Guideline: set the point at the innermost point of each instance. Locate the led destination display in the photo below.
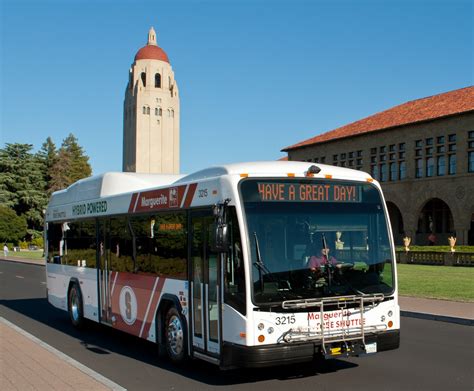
(308, 192)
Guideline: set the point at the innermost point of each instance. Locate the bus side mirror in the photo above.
(222, 228)
(222, 238)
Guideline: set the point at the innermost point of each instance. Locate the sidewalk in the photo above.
(442, 310)
(27, 363)
(432, 309)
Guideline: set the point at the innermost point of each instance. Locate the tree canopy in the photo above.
(12, 227)
(22, 183)
(27, 179)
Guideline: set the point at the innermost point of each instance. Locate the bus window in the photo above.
(168, 245)
(54, 237)
(140, 232)
(120, 245)
(79, 243)
(234, 274)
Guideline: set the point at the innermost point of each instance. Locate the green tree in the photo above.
(22, 184)
(12, 227)
(80, 167)
(71, 164)
(48, 155)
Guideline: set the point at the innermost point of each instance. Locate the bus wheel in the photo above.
(75, 306)
(175, 337)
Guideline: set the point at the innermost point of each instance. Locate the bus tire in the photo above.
(175, 336)
(75, 306)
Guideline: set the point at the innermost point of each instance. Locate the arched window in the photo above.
(169, 113)
(144, 79)
(172, 113)
(157, 80)
(144, 110)
(148, 110)
(160, 112)
(156, 111)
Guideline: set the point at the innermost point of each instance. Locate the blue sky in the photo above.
(254, 76)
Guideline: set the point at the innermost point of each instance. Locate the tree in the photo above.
(22, 184)
(12, 227)
(80, 167)
(48, 155)
(60, 173)
(71, 164)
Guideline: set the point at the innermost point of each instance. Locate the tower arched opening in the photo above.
(157, 80)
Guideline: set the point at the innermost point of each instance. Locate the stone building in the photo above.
(151, 113)
(422, 152)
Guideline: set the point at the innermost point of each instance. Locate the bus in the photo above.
(241, 265)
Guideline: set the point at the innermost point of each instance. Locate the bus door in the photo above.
(104, 275)
(205, 285)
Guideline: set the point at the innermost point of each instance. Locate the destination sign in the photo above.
(308, 192)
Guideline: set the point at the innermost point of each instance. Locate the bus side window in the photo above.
(234, 274)
(119, 245)
(54, 235)
(79, 247)
(169, 244)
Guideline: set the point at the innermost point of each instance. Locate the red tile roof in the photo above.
(424, 109)
(151, 52)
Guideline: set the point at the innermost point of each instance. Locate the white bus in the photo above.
(242, 265)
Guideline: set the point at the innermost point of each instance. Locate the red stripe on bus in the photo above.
(132, 202)
(154, 306)
(190, 195)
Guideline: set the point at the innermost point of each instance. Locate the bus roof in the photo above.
(115, 183)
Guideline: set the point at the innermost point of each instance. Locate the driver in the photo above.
(321, 258)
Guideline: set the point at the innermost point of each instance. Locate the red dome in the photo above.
(151, 52)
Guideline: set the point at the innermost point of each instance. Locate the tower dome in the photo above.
(151, 51)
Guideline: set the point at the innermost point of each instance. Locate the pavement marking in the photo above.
(19, 277)
(97, 376)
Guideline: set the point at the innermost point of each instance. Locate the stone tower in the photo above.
(151, 113)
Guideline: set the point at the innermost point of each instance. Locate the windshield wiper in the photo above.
(259, 263)
(329, 266)
(262, 267)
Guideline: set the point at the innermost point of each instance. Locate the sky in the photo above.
(254, 76)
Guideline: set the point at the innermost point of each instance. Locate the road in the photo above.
(433, 355)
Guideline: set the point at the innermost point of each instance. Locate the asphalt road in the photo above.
(433, 355)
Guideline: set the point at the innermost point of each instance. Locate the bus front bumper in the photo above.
(234, 355)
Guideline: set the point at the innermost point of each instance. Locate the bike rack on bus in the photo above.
(327, 336)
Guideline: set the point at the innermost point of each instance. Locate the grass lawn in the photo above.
(436, 282)
(27, 254)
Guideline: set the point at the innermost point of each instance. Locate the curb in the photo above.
(23, 260)
(439, 318)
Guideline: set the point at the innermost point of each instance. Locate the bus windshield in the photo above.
(314, 238)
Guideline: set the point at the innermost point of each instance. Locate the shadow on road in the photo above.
(103, 340)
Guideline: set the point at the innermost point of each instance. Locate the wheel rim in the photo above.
(74, 305)
(175, 335)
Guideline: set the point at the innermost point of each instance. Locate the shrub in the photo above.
(23, 244)
(38, 242)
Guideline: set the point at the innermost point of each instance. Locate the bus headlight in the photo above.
(270, 330)
(261, 326)
(390, 313)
